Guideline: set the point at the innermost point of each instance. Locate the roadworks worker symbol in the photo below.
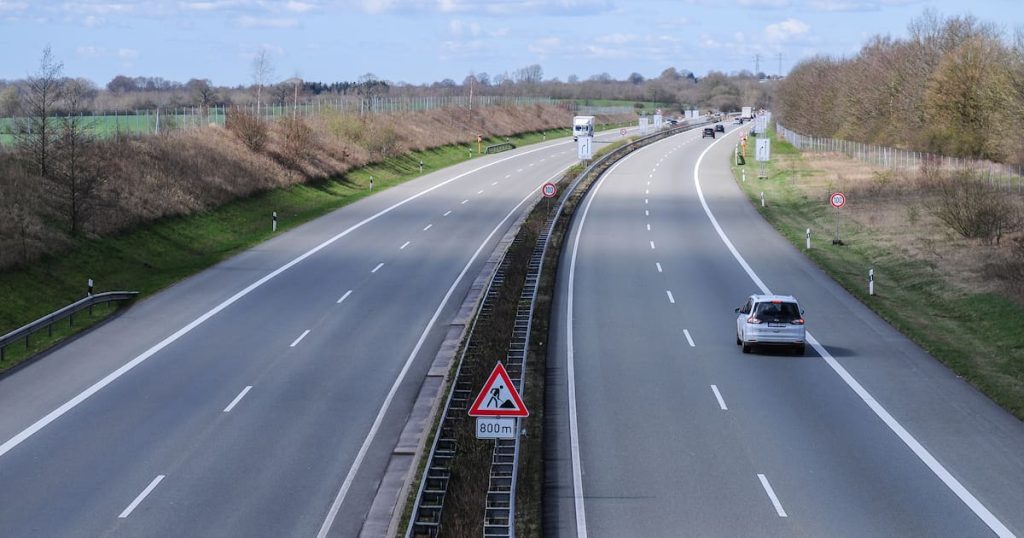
(499, 397)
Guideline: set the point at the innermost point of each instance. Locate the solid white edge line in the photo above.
(128, 366)
(916, 447)
(138, 500)
(343, 297)
(689, 339)
(332, 513)
(718, 396)
(574, 434)
(404, 245)
(771, 495)
(299, 339)
(237, 399)
(671, 299)
(375, 269)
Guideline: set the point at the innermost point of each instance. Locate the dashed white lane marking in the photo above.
(404, 245)
(718, 396)
(149, 489)
(771, 495)
(671, 299)
(427, 227)
(343, 297)
(689, 339)
(912, 443)
(648, 227)
(465, 201)
(480, 191)
(379, 265)
(652, 245)
(658, 265)
(647, 213)
(519, 170)
(237, 399)
(647, 200)
(647, 191)
(299, 339)
(449, 212)
(508, 176)
(493, 184)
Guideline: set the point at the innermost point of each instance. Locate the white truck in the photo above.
(748, 113)
(582, 126)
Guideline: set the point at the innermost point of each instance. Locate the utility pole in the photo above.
(757, 64)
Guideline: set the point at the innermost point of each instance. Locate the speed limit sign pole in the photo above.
(837, 200)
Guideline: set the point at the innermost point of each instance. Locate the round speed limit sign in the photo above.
(838, 200)
(549, 190)
(622, 131)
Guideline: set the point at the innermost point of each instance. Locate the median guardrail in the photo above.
(499, 516)
(69, 311)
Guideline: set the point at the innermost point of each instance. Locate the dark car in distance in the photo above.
(719, 128)
(708, 131)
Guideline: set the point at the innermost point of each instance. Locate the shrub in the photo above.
(248, 128)
(974, 209)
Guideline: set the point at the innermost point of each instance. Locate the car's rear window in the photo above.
(778, 312)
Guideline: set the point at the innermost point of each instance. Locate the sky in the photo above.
(422, 41)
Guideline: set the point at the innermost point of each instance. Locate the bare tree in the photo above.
(204, 95)
(76, 170)
(35, 130)
(262, 73)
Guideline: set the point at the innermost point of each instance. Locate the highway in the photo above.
(250, 399)
(658, 425)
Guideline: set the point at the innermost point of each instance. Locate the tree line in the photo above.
(954, 86)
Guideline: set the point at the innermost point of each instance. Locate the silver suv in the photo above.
(770, 320)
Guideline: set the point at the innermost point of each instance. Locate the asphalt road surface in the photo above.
(246, 400)
(660, 426)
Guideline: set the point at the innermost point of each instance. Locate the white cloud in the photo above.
(490, 7)
(127, 54)
(855, 5)
(616, 39)
(266, 22)
(93, 21)
(299, 7)
(545, 46)
(12, 7)
(98, 8)
(89, 51)
(768, 4)
(458, 28)
(787, 30)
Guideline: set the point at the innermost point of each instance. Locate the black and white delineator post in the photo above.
(871, 281)
(421, 167)
(89, 284)
(808, 236)
(371, 183)
(274, 225)
(762, 198)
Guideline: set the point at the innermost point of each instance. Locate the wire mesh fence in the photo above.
(164, 119)
(1003, 176)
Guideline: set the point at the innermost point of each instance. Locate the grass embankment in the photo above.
(938, 301)
(156, 255)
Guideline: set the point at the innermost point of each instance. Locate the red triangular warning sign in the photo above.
(499, 397)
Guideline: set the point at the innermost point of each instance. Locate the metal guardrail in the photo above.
(69, 311)
(499, 515)
(496, 148)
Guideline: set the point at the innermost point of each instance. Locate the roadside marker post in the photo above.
(273, 226)
(371, 183)
(808, 235)
(762, 198)
(871, 281)
(421, 167)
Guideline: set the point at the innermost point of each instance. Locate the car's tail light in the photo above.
(753, 321)
(799, 321)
